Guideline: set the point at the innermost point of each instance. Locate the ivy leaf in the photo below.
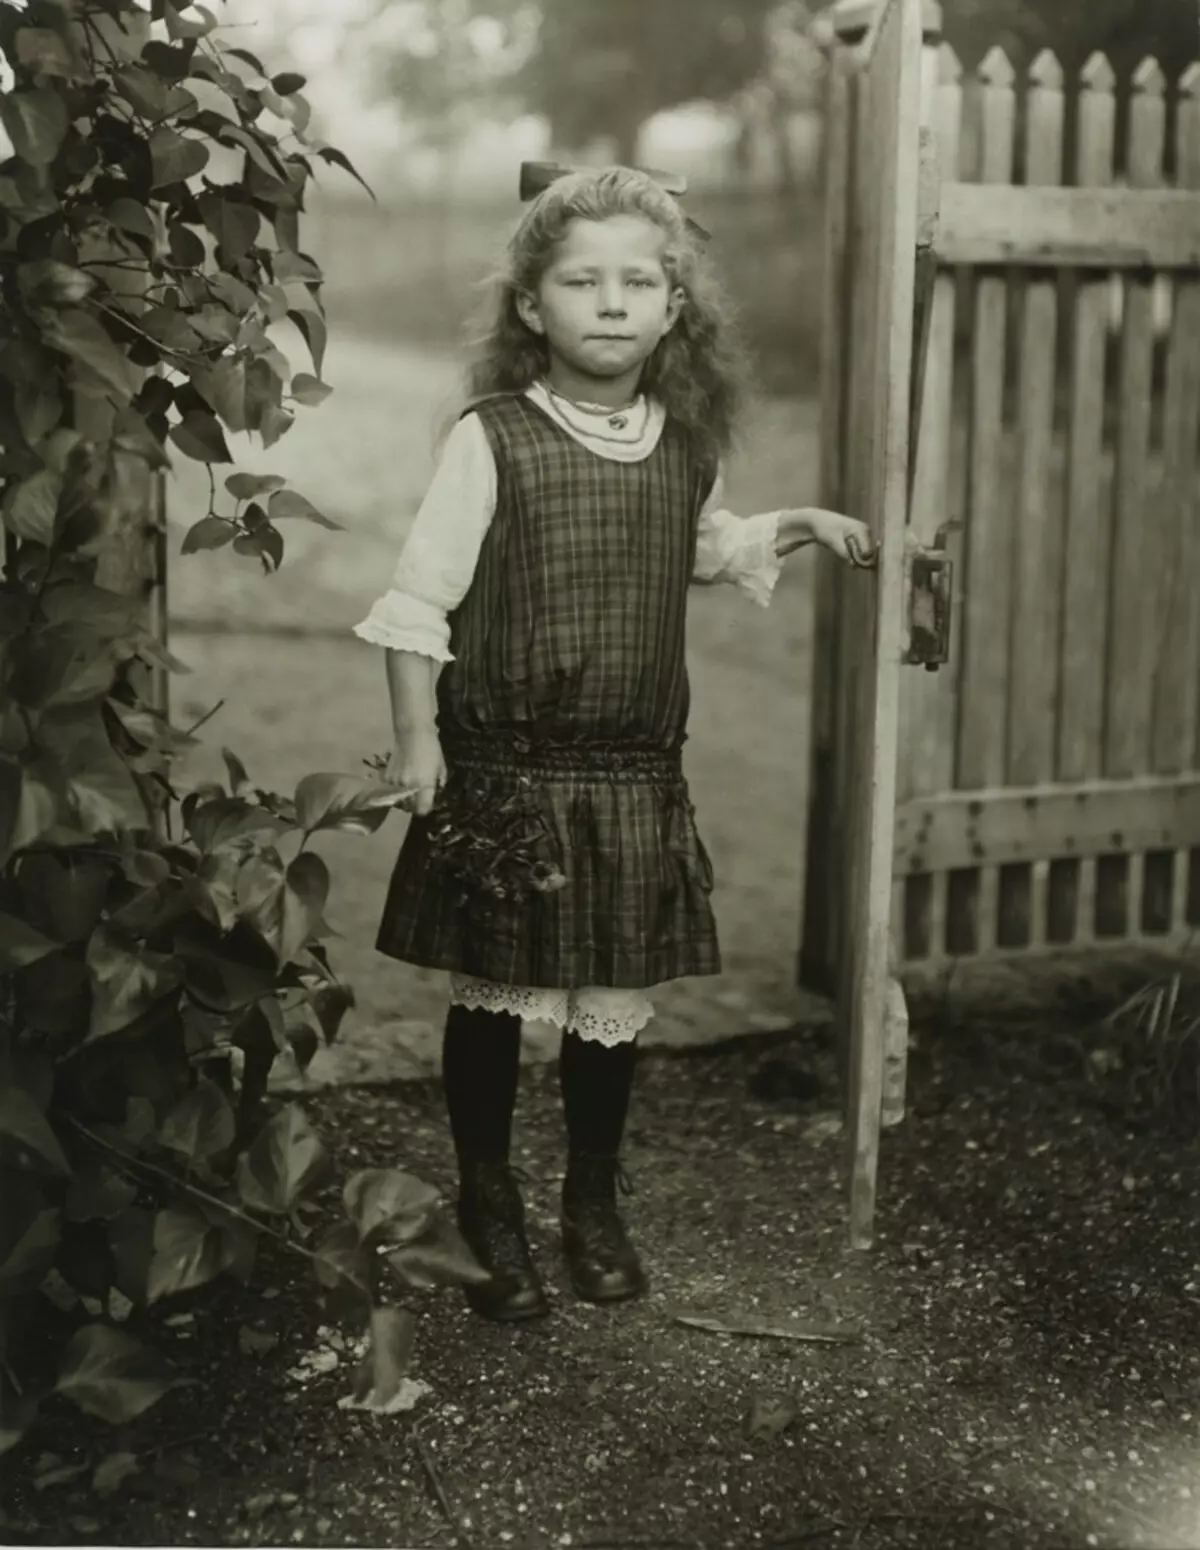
(150, 94)
(31, 507)
(178, 25)
(244, 487)
(21, 944)
(28, 1252)
(125, 981)
(344, 802)
(200, 1125)
(112, 1472)
(47, 283)
(99, 783)
(287, 504)
(275, 423)
(208, 533)
(287, 82)
(36, 123)
(289, 265)
(18, 1412)
(263, 540)
(233, 223)
(188, 1252)
(284, 1158)
(440, 1257)
(128, 215)
(223, 386)
(388, 1205)
(339, 1262)
(97, 1194)
(284, 906)
(312, 325)
(336, 158)
(237, 297)
(309, 390)
(77, 334)
(188, 251)
(24, 1125)
(200, 436)
(109, 1374)
(45, 52)
(174, 158)
(39, 409)
(330, 1003)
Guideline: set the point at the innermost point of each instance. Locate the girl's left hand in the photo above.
(847, 537)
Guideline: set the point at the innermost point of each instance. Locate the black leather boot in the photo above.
(602, 1262)
(491, 1217)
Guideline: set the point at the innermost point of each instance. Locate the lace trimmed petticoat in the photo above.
(597, 1013)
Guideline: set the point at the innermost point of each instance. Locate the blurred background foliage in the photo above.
(439, 100)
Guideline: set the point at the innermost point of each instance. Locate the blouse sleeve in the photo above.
(740, 550)
(439, 556)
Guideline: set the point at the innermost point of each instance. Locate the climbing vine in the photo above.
(158, 949)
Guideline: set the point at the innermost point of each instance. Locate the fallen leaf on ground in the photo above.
(755, 1329)
(770, 1415)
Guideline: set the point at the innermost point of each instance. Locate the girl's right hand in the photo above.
(417, 765)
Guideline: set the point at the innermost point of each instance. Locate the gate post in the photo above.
(847, 24)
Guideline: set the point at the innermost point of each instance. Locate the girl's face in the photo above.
(605, 300)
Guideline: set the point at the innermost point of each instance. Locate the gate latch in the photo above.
(929, 577)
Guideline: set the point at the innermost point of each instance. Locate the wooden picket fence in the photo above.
(1048, 792)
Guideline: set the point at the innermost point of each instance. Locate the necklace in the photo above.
(617, 418)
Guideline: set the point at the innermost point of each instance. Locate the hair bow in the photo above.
(537, 176)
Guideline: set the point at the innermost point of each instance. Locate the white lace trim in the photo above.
(596, 1012)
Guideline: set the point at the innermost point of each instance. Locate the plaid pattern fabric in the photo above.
(569, 696)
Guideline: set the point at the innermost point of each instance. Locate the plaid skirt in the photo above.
(557, 868)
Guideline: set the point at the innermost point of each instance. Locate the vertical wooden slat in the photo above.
(989, 521)
(928, 700)
(988, 907)
(1086, 589)
(1138, 552)
(1033, 691)
(1039, 898)
(1175, 711)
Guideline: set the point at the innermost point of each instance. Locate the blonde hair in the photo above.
(696, 371)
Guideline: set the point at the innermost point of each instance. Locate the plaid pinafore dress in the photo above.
(562, 851)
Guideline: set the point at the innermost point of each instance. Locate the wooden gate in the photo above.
(1046, 789)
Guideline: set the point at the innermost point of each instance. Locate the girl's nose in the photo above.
(612, 301)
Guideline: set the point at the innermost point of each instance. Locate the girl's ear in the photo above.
(674, 308)
(527, 311)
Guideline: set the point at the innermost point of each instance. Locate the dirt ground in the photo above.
(1025, 1373)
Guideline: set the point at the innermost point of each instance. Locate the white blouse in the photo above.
(438, 559)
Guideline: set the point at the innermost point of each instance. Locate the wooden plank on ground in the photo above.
(981, 753)
(1069, 227)
(968, 828)
(1138, 550)
(1033, 690)
(1086, 569)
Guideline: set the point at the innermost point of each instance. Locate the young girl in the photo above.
(535, 635)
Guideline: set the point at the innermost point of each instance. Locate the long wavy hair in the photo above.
(697, 371)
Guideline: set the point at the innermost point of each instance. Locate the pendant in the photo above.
(618, 421)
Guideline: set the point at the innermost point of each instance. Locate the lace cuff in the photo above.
(404, 623)
(596, 1013)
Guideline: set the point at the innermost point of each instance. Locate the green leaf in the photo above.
(188, 1252)
(18, 1412)
(20, 944)
(284, 906)
(387, 1205)
(232, 222)
(36, 122)
(47, 283)
(112, 1472)
(344, 802)
(125, 981)
(179, 26)
(39, 409)
(309, 390)
(284, 1159)
(263, 540)
(23, 1123)
(237, 297)
(244, 487)
(109, 1374)
(391, 1336)
(128, 215)
(439, 1258)
(45, 52)
(174, 158)
(200, 1125)
(230, 821)
(99, 784)
(27, 1260)
(287, 82)
(274, 424)
(312, 325)
(97, 1194)
(208, 533)
(200, 436)
(77, 334)
(336, 158)
(150, 94)
(339, 1261)
(31, 507)
(295, 266)
(330, 1003)
(287, 504)
(223, 386)
(257, 148)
